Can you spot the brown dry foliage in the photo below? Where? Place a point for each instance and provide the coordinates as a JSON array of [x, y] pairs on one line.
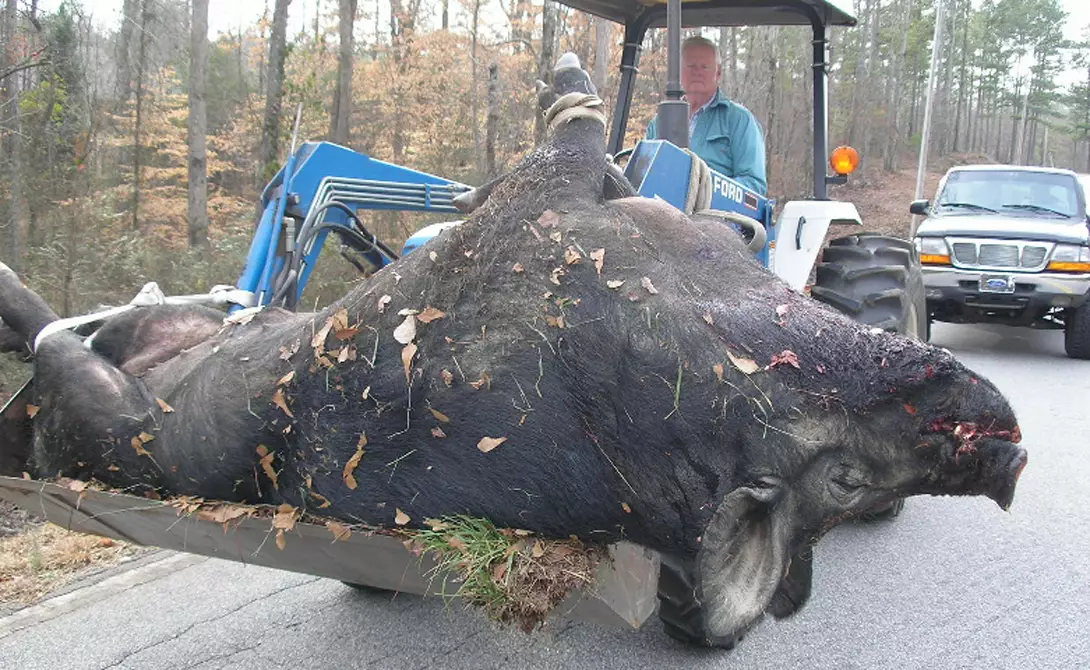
[[43, 559]]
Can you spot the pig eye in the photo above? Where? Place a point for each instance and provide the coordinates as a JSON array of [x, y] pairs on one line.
[[845, 481], [849, 485]]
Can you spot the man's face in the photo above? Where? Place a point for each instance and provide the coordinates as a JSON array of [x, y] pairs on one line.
[[699, 71]]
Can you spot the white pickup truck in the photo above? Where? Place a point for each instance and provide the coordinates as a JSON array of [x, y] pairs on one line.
[[1008, 244]]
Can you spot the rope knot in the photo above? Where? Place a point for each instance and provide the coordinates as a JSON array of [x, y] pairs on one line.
[[571, 106]]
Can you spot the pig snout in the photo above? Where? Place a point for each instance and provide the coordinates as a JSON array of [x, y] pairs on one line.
[[1002, 464]]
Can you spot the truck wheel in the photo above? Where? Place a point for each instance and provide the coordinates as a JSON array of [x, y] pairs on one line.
[[681, 613], [1077, 332], [876, 280]]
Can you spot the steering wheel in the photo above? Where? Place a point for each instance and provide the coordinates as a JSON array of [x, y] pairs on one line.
[[623, 153]]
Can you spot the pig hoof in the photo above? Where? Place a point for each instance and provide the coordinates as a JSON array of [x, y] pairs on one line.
[[681, 613]]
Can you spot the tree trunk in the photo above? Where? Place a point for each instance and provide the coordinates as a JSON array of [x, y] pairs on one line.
[[1014, 155], [546, 59], [270, 130], [771, 126], [492, 125], [198, 126], [138, 124], [129, 18], [475, 95], [10, 149], [728, 52], [602, 43], [1020, 142], [941, 113], [860, 75], [891, 157], [871, 73], [1044, 149], [961, 77], [340, 120]]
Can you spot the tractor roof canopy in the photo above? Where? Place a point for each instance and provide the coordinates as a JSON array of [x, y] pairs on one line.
[[637, 16], [696, 13]]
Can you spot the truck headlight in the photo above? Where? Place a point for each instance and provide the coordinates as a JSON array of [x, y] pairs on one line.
[[933, 251], [1070, 258]]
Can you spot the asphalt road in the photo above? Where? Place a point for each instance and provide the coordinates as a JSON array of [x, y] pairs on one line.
[[952, 583]]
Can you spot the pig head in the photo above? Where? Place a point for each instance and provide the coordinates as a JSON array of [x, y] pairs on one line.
[[561, 362]]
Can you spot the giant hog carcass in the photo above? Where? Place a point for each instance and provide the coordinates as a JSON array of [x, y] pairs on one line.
[[563, 364]]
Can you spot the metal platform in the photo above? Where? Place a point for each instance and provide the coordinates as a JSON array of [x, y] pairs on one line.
[[623, 593]]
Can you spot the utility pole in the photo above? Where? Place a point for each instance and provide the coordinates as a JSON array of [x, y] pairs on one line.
[[925, 138]]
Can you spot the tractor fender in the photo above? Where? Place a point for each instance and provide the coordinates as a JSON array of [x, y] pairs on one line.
[[426, 233], [800, 235]]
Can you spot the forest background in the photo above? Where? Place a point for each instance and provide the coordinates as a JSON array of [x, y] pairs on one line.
[[134, 141]]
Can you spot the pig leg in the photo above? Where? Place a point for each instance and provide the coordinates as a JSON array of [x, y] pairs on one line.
[[12, 342], [22, 311], [89, 410], [142, 338], [469, 201]]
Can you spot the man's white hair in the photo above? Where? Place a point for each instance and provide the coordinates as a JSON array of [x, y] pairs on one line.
[[701, 41]]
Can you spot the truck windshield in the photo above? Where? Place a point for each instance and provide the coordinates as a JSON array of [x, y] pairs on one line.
[[1011, 192]]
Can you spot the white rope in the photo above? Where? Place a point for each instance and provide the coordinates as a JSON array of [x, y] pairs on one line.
[[571, 106], [698, 200], [151, 295]]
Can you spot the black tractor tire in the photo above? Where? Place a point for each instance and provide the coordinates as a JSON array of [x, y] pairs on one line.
[[680, 611], [1077, 332], [876, 280]]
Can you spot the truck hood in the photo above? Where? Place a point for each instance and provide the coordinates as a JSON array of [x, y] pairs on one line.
[[1001, 226]]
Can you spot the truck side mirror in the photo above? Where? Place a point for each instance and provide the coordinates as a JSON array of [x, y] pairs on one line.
[[920, 207]]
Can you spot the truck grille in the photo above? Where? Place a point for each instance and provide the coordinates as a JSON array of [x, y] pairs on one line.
[[999, 254]]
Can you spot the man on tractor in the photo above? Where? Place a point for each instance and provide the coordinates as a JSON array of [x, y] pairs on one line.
[[721, 132]]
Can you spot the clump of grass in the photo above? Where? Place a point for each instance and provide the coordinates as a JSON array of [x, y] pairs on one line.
[[514, 576]]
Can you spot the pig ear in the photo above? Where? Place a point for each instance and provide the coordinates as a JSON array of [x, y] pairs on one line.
[[743, 555]]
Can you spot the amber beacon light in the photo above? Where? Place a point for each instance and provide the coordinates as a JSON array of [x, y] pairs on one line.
[[844, 160]]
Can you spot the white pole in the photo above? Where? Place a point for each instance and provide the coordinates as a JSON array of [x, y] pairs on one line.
[[925, 139]]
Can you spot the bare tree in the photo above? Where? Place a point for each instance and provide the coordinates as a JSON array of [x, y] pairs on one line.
[[130, 11], [340, 119], [11, 146], [146, 14], [274, 92], [602, 44], [198, 126], [474, 100], [546, 58], [493, 122]]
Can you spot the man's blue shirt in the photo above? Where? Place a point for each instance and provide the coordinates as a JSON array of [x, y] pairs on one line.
[[729, 139]]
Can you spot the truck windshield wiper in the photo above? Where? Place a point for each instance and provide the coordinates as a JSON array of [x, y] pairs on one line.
[[966, 205], [1037, 208]]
